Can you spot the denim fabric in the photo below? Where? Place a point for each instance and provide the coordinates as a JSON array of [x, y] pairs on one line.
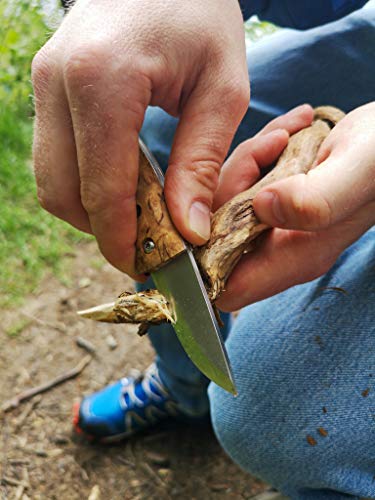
[[299, 14], [304, 365], [309, 349]]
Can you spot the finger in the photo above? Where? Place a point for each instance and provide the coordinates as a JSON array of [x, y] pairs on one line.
[[54, 150], [206, 129], [241, 170], [285, 258], [329, 193], [296, 119], [107, 120]]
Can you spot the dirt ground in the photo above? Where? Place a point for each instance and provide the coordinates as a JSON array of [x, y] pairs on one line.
[[39, 457]]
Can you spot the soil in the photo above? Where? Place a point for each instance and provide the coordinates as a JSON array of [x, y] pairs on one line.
[[39, 456]]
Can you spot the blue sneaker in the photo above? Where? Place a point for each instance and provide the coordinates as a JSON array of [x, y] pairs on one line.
[[127, 407]]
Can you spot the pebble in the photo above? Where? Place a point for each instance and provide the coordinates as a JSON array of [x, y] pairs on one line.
[[94, 493], [158, 458], [111, 342]]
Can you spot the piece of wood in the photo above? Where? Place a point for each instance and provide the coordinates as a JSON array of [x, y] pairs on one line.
[[234, 226], [158, 240], [148, 307], [30, 393]]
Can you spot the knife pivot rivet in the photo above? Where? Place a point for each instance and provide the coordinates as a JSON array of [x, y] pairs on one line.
[[148, 245]]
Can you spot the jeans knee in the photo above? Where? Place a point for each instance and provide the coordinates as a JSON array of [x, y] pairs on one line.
[[283, 450]]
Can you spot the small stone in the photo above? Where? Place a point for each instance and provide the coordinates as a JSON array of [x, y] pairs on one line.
[[134, 483], [84, 282], [217, 487], [158, 459], [111, 342], [60, 439], [163, 473], [85, 344], [94, 493]]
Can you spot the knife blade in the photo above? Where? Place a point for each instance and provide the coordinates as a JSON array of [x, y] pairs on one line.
[[179, 280]]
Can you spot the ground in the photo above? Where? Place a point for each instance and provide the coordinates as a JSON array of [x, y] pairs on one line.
[[39, 458]]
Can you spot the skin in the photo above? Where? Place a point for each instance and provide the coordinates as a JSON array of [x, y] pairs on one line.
[[93, 81], [314, 216]]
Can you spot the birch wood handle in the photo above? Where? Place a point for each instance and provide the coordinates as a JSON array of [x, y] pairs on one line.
[[235, 226], [158, 240]]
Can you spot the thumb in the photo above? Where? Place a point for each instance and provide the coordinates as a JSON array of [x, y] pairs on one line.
[[324, 196], [208, 122]]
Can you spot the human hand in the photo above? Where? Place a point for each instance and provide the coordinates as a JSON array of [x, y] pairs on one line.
[[315, 216], [93, 81]]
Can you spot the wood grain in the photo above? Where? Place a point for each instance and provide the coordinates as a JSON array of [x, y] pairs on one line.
[[235, 225], [154, 222]]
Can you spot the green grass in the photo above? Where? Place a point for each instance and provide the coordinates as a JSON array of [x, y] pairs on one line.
[[32, 242]]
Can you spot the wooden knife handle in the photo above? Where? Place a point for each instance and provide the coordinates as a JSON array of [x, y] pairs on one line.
[[158, 240], [235, 226]]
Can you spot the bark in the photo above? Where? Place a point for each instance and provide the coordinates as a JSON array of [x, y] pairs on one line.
[[234, 229]]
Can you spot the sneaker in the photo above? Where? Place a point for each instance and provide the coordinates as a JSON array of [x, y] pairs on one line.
[[127, 407]]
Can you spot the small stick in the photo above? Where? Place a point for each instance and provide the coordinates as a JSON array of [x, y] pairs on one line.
[[29, 408], [44, 323], [30, 393], [85, 344]]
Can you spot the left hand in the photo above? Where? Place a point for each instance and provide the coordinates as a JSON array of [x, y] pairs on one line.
[[314, 216]]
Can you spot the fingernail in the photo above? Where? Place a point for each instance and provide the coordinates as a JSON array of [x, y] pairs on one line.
[[272, 202], [200, 220]]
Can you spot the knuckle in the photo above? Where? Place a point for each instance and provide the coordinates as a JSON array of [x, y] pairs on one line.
[[207, 174], [85, 63], [49, 203], [312, 209], [238, 95], [42, 70], [93, 201]]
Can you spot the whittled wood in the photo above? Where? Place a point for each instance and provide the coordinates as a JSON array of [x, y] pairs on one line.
[[150, 307], [234, 226], [154, 222], [234, 229]]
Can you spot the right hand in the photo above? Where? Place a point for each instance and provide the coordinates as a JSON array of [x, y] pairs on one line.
[[93, 81]]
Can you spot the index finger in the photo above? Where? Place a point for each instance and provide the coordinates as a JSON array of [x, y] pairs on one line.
[[106, 120]]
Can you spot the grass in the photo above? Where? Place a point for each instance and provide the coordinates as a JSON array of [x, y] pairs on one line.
[[32, 242]]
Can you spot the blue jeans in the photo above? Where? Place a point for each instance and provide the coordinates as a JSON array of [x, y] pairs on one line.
[[304, 360]]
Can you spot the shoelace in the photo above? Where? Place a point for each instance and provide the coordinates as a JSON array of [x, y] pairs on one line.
[[148, 380]]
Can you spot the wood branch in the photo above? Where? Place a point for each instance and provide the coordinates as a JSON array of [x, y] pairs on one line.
[[233, 230], [235, 225], [30, 393], [148, 307]]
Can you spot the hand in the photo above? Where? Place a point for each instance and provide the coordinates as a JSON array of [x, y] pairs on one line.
[[93, 81], [315, 216]]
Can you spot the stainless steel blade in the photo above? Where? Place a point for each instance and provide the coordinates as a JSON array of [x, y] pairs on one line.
[[196, 326]]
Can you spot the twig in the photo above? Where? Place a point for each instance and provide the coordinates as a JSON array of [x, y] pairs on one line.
[[5, 458], [29, 408], [86, 344], [14, 482], [30, 393], [44, 323]]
